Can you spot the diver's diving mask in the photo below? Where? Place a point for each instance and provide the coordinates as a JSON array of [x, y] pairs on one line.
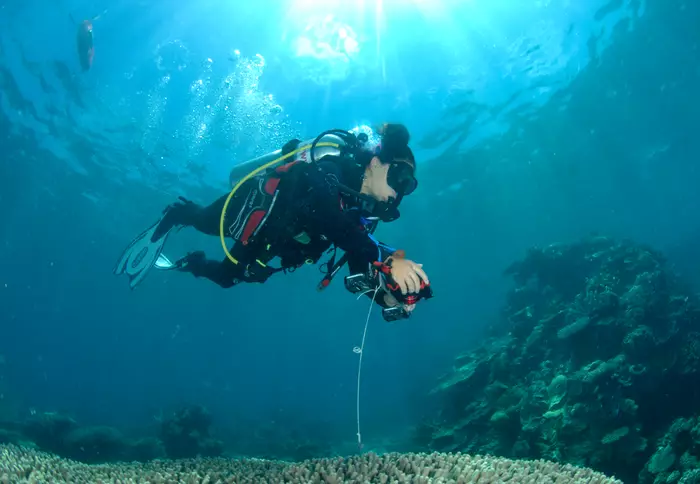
[[401, 177]]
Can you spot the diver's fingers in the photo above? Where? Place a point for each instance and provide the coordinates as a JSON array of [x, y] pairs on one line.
[[402, 285], [409, 283], [419, 270]]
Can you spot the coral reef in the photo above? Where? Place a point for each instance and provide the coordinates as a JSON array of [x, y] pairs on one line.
[[96, 444], [186, 434], [48, 430], [597, 351], [289, 438], [677, 456], [26, 465], [9, 406], [63, 436]]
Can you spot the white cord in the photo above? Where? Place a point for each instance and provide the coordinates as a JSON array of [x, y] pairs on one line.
[[360, 350]]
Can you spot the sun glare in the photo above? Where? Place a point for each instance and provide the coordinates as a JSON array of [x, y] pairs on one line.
[[335, 35], [353, 9]]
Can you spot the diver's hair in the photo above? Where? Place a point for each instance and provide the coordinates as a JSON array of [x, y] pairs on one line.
[[394, 133], [394, 145]]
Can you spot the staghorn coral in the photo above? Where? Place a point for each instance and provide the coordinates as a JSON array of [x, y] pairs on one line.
[[19, 465]]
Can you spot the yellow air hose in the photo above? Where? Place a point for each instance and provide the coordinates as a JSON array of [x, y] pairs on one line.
[[248, 177]]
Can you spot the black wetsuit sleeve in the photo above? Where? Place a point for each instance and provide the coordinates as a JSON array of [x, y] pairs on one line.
[[357, 265], [327, 218]]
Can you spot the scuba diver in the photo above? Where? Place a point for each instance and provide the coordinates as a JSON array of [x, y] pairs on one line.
[[84, 41], [313, 198]]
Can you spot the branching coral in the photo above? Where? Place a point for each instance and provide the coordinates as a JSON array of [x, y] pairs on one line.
[[18, 465]]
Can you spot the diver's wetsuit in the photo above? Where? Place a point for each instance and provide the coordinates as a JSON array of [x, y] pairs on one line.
[[309, 216]]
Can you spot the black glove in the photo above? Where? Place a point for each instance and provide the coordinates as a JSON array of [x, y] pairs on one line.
[[181, 203], [290, 146], [191, 262]]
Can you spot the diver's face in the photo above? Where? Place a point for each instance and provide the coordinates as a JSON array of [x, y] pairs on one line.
[[375, 184], [385, 181]]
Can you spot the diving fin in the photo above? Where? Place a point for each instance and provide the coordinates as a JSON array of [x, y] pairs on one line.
[[164, 264], [142, 254], [182, 264]]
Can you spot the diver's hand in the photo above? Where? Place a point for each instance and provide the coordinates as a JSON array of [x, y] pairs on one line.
[[408, 275]]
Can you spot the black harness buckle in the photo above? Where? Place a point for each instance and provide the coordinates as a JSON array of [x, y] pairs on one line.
[[361, 283]]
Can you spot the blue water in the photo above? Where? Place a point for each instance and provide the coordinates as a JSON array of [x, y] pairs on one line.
[[532, 123]]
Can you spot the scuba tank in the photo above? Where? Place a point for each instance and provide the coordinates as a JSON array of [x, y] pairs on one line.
[[328, 144]]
